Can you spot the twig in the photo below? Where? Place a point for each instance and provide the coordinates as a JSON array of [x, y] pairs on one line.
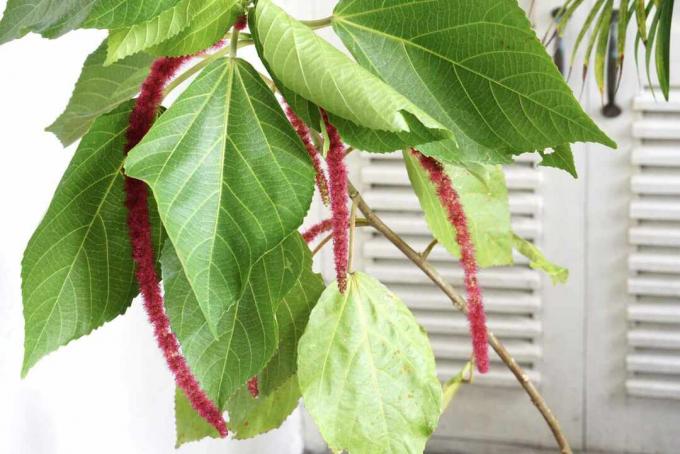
[[431, 272], [428, 250]]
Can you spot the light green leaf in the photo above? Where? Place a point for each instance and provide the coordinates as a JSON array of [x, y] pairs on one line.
[[123, 13], [210, 23], [318, 72], [77, 271], [188, 424], [367, 371], [249, 417], [484, 195], [292, 315], [560, 158], [248, 334], [48, 17], [141, 36], [230, 176], [502, 91], [99, 90], [558, 274]]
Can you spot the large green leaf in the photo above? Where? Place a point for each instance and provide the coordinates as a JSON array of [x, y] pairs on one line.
[[210, 23], [484, 195], [48, 17], [248, 335], [123, 13], [502, 91], [292, 315], [99, 90], [360, 103], [141, 36], [367, 371], [77, 271], [231, 178]]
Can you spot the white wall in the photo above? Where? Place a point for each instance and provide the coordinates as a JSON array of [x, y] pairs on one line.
[[110, 392]]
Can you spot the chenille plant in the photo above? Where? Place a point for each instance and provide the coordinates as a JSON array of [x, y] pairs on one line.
[[198, 205]]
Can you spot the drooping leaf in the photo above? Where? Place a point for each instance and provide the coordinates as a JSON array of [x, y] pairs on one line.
[[502, 92], [602, 52], [249, 417], [123, 13], [231, 179], [99, 90], [485, 199], [48, 17], [292, 315], [452, 386], [663, 46], [367, 371], [210, 22], [368, 112], [560, 158], [138, 37], [189, 425], [558, 274], [77, 271], [641, 17], [247, 331]]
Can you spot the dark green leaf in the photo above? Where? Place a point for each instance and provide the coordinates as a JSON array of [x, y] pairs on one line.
[[77, 271], [99, 90], [503, 91], [231, 178], [484, 195], [663, 46], [561, 158], [367, 371], [248, 335]]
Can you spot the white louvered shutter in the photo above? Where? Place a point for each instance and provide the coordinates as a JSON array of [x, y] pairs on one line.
[[653, 360]]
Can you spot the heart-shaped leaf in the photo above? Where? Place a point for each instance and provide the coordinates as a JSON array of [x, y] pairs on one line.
[[367, 371], [231, 178]]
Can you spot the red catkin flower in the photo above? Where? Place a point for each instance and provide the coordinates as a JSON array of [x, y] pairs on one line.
[[241, 23], [254, 387], [139, 227], [451, 202], [314, 231], [339, 200], [303, 131]]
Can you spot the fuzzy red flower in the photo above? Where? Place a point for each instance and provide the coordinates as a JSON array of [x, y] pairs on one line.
[[141, 119], [339, 201], [303, 132], [451, 202]]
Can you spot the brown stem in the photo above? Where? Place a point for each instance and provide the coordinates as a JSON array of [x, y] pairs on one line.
[[459, 302]]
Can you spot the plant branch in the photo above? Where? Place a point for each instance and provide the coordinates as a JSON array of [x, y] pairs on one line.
[[431, 272], [318, 23]]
